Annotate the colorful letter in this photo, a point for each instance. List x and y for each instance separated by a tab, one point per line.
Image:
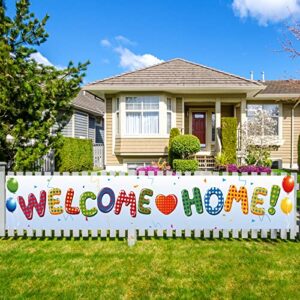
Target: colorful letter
68	203
216	210
32	203
188	202
259	211
106	208
143	201
83	198
240	195
54	201
128	200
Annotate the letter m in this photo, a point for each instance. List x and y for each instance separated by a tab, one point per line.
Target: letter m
33	203
127	200
234	194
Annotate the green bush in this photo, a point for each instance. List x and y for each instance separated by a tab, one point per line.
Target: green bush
173	133
258	156
74	155
229	138
185	165
299	153
185	145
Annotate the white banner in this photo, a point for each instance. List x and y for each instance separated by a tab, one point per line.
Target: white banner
154	202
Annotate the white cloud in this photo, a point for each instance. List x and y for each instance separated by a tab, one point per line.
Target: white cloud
105	43
266	11
41	59
124	40
132	61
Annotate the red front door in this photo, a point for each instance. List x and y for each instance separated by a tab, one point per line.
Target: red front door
199	126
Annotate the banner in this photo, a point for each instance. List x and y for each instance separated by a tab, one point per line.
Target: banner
150	202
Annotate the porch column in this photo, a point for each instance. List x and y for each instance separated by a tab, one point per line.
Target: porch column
242	125
243	112
218	145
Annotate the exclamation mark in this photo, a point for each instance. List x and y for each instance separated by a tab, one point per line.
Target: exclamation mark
273	199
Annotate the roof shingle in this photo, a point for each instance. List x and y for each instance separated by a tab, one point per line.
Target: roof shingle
177	72
86	101
281	87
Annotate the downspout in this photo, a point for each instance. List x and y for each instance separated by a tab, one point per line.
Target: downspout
292	137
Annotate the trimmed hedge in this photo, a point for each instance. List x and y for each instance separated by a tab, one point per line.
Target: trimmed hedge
185	165
185	145
299	153
74	155
229	138
173	133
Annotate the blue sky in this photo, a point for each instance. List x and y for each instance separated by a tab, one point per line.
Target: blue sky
236	36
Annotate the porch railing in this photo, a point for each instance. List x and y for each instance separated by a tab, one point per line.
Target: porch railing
98	155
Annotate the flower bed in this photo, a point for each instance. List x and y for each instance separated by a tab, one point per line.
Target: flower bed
248	169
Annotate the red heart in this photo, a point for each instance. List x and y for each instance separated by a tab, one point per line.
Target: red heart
166	204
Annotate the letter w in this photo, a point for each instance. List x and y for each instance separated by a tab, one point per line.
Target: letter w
240	195
32	203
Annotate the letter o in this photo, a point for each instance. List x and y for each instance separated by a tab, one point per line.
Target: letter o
214	210
106	208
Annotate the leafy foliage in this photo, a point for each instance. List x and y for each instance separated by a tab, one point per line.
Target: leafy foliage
32	95
74	155
258	156
229	138
221	159
185	145
185	165
173	133
259	137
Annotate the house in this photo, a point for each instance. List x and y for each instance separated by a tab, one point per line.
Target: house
142	106
86	121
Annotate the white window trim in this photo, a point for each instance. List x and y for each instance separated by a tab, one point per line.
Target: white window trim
162	117
279	138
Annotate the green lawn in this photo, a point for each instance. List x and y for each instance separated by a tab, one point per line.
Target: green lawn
157	268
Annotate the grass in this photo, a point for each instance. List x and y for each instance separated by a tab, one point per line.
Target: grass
156	269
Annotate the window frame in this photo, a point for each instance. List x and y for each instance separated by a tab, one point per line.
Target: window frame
278	139
142	111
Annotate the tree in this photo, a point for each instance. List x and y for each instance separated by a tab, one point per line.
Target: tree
33	97
291	37
259	137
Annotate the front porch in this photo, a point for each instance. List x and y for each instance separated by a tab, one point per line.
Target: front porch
203	119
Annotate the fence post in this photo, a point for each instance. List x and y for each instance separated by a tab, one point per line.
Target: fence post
2	198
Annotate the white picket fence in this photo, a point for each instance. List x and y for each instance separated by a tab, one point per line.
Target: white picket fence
132	233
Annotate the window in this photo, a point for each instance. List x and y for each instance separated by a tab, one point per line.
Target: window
213	127
169	115
100	121
142	115
267	115
117	116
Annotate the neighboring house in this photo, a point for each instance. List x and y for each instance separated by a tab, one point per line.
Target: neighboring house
142	106
87	120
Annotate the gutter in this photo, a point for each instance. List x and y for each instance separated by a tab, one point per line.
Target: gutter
292	137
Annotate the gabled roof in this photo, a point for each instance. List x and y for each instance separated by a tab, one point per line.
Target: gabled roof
177	73
90	103
281	87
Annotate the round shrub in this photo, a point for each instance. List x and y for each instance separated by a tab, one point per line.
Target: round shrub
185	165
185	145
